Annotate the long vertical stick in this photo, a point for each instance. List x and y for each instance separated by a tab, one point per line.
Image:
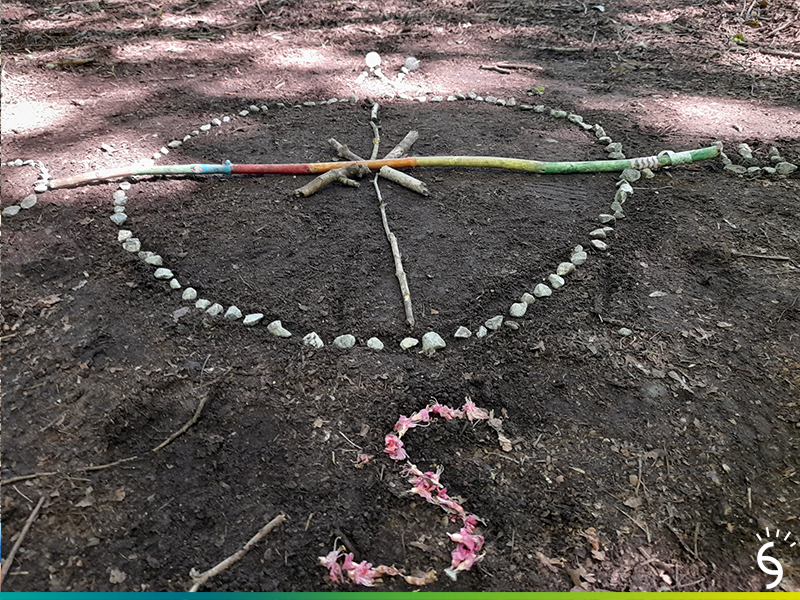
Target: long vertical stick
398	261
10	557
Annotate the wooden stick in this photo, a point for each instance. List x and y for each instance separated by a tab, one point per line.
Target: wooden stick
342	175
494	68
519	66
191	422
781	53
398	261
9	559
389	173
376	140
201	578
404	145
763	256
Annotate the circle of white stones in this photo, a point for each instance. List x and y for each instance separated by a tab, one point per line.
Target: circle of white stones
554	281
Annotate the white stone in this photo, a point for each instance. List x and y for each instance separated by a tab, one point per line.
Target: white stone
527	298
511	102
617	156
216	122
252	319
613	147
462	333
494	323
40	187
542	291
556	281
119	209
164	150
118	218
408	342
254	108
187	137
207	126
10	211
575	118
174	284
432	341
607	219
631	175
597	234
313	340
579	258
215	309
277	329
226	119
233	313
124	234
624	331
175	144
30	202
518	309
202	304
374	343
599	245
163	273
491	99
132	244
558	114
344	341
565	268
155	260
481	333
189	294
372	59
781	168
738	169
437	99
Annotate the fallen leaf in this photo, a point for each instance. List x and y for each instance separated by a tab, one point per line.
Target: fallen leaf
84	502
598	554
505	443
546	562
633	502
119	495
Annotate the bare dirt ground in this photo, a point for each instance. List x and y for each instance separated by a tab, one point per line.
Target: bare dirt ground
646	462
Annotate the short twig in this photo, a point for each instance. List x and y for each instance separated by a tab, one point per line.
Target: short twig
644	527
261	10
691	583
191	422
353	444
201	578
376	139
495	68
762	256
10	558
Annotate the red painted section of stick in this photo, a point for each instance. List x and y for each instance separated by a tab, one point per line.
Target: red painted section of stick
313	168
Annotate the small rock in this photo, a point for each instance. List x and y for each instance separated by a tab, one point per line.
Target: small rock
539	108
313	340
181	312
30	201
491	99
344	341
631	175
607	219
578	258
175	144
773	151
564	269
10	211
573	118
252	319
599	132
782	168
254	108
616	207
437	98
421	99
769	170
518	309
618	214
119	209
309	103
556	281
164	150
265	108
500	102
577	248
616	156
613	147
233	313
527	298
460	96
753	170
408	342
481	333
624	331
277	329
163	273
132	244
598	234
558	114
605	140
216	122
174	284
775	159
513	324
189	294
462	333
124	234
40	187
724	158
432	341
202	304
451	98
494	323
205	127
599	245
374	343
512	102
215	309
542	291
648	174
526	107
145	254
737	169
242	113
744	151
156	261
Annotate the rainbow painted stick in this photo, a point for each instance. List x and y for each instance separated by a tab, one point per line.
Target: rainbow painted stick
664	159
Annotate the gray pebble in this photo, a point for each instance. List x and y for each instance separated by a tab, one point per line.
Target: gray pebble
556	281
252	319
226	119
624	331
462	333
500	102
40	187
313	340
527	298
599	131
175	144
233	313
132	244
518	309
460	96
437	99
478	98
598	234
616	207
202	304
481	333
511	102
558	114
451	98
206	127
616	156
216	122
613	147
10	211
605	140
421	99
542	291
539	108
432	341
573	118
744	151
174	284
494	323
769	170
124	234
776	159
254	108
631	175
607	219
119	209
344	341
277	329
737	169
724	158
618	214
189	294
164	150
512	325
374	343
564	269
599	245
782	168
648	174
408	342
753	170
163	273
30	201
215	309
472	95
154	260
491	99
525	107
578	258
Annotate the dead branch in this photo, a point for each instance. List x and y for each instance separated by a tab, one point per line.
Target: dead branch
762	256
200	578
781	53
495	68
389	173
191	422
342	175
376	139
398	261
519	66
404	145
9	559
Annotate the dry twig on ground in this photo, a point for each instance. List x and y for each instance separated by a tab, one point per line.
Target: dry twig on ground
342	175
9	559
